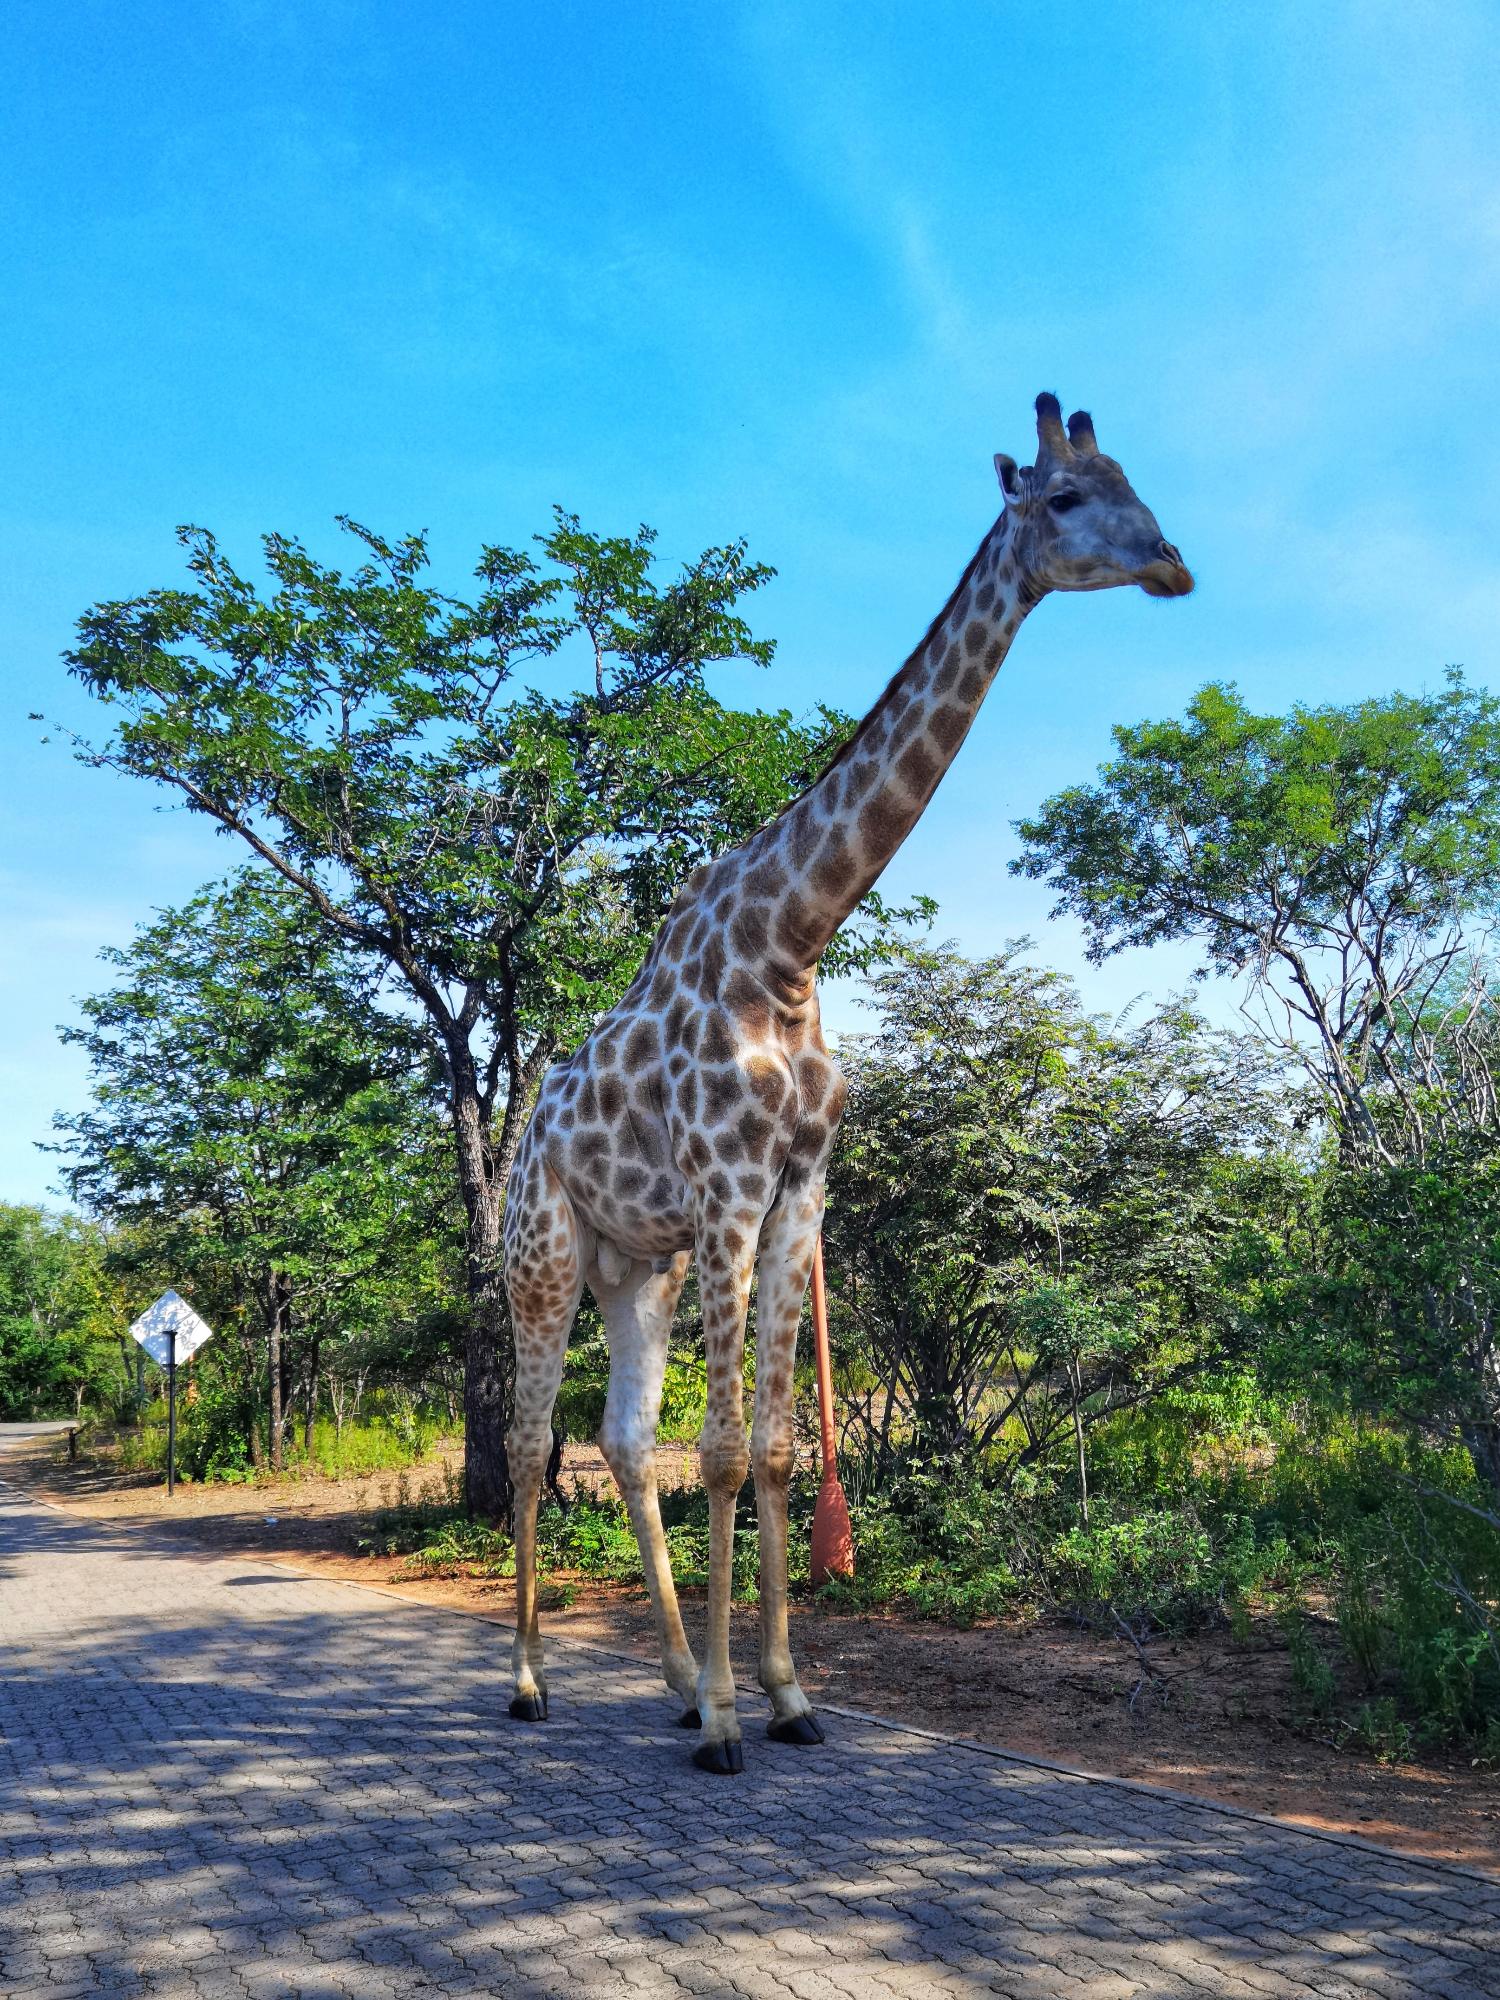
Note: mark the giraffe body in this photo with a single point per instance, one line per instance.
(698, 1116)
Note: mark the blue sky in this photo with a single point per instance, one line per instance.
(792, 272)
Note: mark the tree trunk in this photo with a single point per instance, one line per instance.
(309, 1415)
(278, 1316)
(252, 1375)
(487, 1346)
(1482, 1441)
(1075, 1379)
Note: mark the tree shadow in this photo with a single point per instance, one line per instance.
(313, 1784)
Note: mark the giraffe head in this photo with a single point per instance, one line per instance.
(1077, 523)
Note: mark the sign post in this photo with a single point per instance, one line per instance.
(171, 1411)
(170, 1331)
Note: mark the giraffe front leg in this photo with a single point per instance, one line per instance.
(786, 1254)
(726, 1255)
(638, 1320)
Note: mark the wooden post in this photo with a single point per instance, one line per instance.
(832, 1535)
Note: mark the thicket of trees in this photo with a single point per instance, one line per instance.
(1142, 1315)
(496, 856)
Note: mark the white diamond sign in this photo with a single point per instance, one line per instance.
(157, 1324)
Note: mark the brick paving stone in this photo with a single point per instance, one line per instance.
(223, 1781)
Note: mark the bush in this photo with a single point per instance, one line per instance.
(213, 1433)
(1160, 1566)
(381, 1442)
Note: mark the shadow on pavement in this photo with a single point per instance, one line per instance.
(322, 1789)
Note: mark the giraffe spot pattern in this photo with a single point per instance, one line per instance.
(699, 1114)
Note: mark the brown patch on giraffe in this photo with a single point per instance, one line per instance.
(884, 822)
(947, 725)
(721, 1092)
(810, 1138)
(611, 1098)
(755, 1130)
(717, 1042)
(766, 879)
(858, 779)
(767, 1082)
(835, 864)
(711, 969)
(796, 929)
(750, 931)
(803, 831)
(641, 1045)
(812, 1082)
(918, 768)
(745, 998)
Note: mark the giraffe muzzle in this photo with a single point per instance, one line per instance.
(1167, 575)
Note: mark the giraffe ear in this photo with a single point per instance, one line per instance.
(1009, 475)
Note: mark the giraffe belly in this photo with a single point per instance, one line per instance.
(635, 1230)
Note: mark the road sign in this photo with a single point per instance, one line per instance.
(170, 1331)
(157, 1325)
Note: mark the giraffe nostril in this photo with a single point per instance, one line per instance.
(1172, 553)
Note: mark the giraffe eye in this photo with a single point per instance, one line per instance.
(1062, 503)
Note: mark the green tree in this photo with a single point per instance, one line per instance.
(264, 1130)
(501, 852)
(1343, 861)
(1337, 858)
(1027, 1209)
(60, 1317)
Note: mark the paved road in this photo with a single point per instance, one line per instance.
(217, 1778)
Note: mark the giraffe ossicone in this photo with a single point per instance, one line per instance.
(698, 1117)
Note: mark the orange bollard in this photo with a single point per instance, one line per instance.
(832, 1536)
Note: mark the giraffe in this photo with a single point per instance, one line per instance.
(698, 1116)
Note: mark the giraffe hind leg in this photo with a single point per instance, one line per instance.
(544, 1280)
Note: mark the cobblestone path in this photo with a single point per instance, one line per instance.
(220, 1778)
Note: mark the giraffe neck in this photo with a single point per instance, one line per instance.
(836, 840)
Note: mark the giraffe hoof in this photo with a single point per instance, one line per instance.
(529, 1707)
(692, 1720)
(794, 1729)
(723, 1759)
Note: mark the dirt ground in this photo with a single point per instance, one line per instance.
(1212, 1725)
